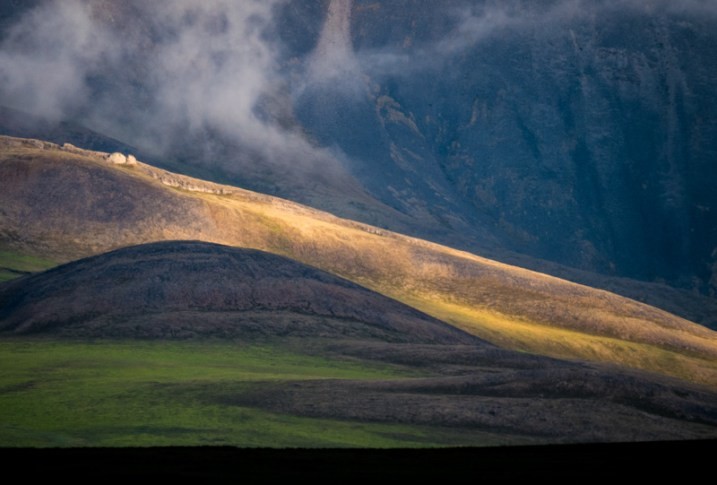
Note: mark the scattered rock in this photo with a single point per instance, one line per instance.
(189, 185)
(10, 142)
(69, 147)
(117, 158)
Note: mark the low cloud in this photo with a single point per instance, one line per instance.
(46, 58)
(188, 72)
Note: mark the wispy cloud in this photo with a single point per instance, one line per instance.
(47, 57)
(186, 71)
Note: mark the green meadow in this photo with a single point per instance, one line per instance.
(83, 394)
(14, 265)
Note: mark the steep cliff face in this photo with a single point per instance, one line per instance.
(580, 133)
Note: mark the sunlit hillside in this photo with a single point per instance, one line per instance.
(62, 203)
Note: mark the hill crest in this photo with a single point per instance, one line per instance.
(181, 289)
(70, 205)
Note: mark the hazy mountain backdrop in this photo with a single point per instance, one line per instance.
(571, 131)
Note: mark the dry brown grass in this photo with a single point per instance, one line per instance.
(509, 306)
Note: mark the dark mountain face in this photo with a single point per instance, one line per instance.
(584, 136)
(193, 289)
(582, 133)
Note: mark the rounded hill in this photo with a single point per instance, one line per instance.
(192, 289)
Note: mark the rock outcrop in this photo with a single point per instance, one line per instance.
(120, 159)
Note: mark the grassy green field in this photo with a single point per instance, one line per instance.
(62, 394)
(14, 265)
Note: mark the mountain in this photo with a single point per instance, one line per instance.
(190, 289)
(63, 203)
(572, 140)
(583, 135)
(463, 151)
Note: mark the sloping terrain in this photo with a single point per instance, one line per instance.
(199, 328)
(547, 403)
(574, 141)
(13, 265)
(66, 203)
(307, 392)
(190, 289)
(687, 304)
(581, 134)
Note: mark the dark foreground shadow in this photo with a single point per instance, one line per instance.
(664, 460)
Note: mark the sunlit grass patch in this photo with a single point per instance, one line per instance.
(538, 338)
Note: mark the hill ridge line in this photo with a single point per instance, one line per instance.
(506, 305)
(192, 184)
